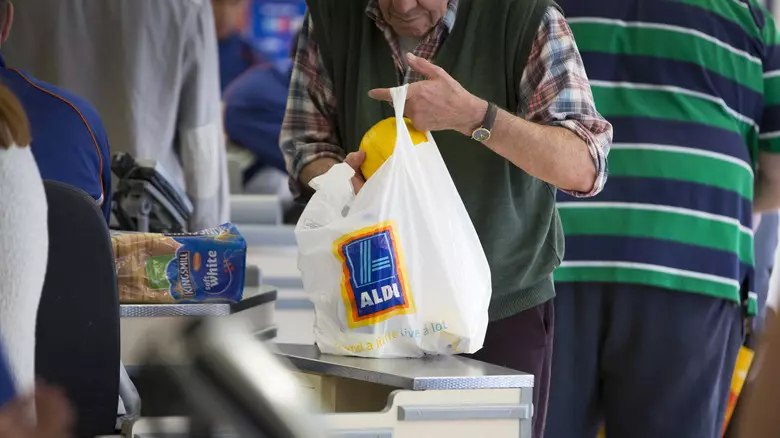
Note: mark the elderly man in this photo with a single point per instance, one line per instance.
(510, 107)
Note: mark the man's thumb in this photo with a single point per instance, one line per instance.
(355, 159)
(423, 66)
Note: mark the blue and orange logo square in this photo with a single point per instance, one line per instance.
(374, 286)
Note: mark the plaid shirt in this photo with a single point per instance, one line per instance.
(554, 90)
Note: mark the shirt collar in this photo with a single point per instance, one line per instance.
(2, 61)
(448, 20)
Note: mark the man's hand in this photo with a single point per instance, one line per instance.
(355, 160)
(54, 415)
(439, 103)
(322, 166)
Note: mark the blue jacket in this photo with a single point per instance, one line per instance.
(7, 388)
(68, 139)
(236, 55)
(254, 110)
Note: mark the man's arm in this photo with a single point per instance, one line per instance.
(202, 143)
(558, 137)
(307, 139)
(559, 116)
(551, 153)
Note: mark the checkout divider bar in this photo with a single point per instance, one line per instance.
(367, 433)
(443, 413)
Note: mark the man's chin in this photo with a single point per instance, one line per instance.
(416, 28)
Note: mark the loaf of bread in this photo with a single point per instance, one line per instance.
(206, 266)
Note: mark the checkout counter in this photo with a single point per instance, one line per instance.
(395, 398)
(352, 397)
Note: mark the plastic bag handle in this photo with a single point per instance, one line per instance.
(403, 141)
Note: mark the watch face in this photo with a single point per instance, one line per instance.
(481, 134)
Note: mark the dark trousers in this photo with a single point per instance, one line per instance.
(646, 362)
(524, 342)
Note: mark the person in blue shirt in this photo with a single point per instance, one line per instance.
(254, 110)
(7, 388)
(69, 143)
(237, 53)
(255, 104)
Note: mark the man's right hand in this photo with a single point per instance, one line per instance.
(322, 166)
(355, 160)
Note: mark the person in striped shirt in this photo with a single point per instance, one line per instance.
(658, 274)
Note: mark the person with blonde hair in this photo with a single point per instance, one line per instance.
(24, 248)
(24, 241)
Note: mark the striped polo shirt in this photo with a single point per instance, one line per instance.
(692, 88)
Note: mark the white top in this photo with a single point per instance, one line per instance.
(24, 250)
(151, 69)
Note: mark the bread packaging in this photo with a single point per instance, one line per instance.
(206, 266)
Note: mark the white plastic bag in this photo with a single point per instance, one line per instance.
(398, 270)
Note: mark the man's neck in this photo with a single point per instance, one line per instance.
(407, 45)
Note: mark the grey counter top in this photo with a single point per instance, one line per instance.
(256, 295)
(428, 373)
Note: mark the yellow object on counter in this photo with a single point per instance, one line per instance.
(379, 143)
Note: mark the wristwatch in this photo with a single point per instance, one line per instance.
(482, 134)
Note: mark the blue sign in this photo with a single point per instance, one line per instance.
(375, 287)
(273, 25)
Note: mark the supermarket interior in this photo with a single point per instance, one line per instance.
(389, 218)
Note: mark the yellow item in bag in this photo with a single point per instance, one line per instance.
(379, 143)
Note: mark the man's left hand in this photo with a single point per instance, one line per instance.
(438, 103)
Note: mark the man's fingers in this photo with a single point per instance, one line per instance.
(425, 67)
(355, 160)
(381, 94)
(357, 183)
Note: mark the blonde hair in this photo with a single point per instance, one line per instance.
(12, 115)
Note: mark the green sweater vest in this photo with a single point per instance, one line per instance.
(487, 50)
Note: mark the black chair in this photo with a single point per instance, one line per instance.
(77, 336)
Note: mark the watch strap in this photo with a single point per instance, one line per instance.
(490, 116)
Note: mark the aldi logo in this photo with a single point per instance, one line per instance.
(374, 286)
